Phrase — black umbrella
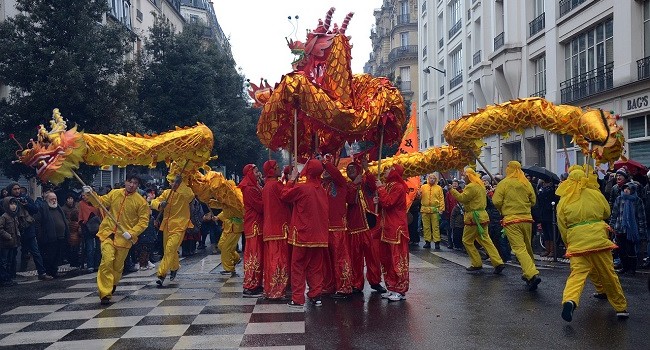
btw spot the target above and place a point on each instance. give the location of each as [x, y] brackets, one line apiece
[540, 173]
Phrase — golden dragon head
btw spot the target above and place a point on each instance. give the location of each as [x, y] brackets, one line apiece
[55, 153]
[599, 130]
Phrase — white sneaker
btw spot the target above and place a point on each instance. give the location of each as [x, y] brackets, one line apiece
[396, 297]
[386, 295]
[137, 266]
[150, 265]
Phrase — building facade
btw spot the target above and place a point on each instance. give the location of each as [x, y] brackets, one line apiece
[587, 53]
[395, 46]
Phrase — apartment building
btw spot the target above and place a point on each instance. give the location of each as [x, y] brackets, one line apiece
[587, 53]
[395, 46]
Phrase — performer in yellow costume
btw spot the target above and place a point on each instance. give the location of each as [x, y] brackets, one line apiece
[132, 213]
[433, 204]
[580, 217]
[175, 204]
[476, 219]
[514, 197]
[233, 227]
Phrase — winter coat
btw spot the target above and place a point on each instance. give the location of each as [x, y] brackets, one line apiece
[616, 219]
[543, 209]
[45, 229]
[457, 217]
[9, 227]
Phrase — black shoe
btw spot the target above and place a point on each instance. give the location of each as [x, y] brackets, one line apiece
[357, 291]
[474, 268]
[316, 302]
[533, 282]
[378, 288]
[427, 245]
[172, 275]
[294, 304]
[113, 291]
[601, 296]
[567, 310]
[437, 246]
[622, 315]
[252, 293]
[160, 281]
[339, 295]
[105, 301]
[499, 268]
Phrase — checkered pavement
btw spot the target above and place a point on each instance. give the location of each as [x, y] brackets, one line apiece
[199, 310]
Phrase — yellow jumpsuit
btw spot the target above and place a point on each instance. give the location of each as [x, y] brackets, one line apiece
[176, 219]
[433, 203]
[233, 227]
[474, 199]
[514, 199]
[581, 223]
[132, 213]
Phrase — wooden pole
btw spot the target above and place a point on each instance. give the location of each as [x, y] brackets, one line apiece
[295, 138]
[381, 146]
[483, 165]
[92, 193]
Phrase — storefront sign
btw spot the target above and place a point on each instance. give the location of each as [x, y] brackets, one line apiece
[636, 103]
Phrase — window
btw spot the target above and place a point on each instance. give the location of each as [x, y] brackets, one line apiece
[639, 139]
[646, 28]
[538, 7]
[404, 7]
[456, 60]
[590, 50]
[194, 19]
[456, 109]
[404, 38]
[455, 17]
[540, 76]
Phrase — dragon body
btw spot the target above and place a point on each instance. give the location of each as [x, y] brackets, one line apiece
[56, 153]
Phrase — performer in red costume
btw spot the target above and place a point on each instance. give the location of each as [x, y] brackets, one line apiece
[277, 214]
[307, 233]
[394, 250]
[339, 241]
[361, 192]
[253, 222]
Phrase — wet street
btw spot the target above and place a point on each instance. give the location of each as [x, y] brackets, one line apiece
[446, 308]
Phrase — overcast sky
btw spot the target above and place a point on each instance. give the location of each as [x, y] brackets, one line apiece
[257, 31]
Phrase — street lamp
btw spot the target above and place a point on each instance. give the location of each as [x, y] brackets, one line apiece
[427, 70]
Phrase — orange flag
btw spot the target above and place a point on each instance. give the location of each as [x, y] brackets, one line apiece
[410, 144]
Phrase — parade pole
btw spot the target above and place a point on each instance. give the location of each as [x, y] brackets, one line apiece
[381, 146]
[295, 138]
[482, 165]
[101, 205]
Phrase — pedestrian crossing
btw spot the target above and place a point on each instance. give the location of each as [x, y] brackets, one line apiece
[199, 310]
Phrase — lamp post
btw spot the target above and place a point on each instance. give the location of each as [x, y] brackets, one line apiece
[428, 70]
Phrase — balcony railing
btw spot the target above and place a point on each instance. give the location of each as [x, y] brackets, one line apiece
[424, 51]
[540, 93]
[477, 58]
[403, 19]
[499, 41]
[644, 68]
[424, 7]
[405, 86]
[588, 83]
[138, 15]
[403, 51]
[441, 43]
[469, 14]
[567, 5]
[455, 28]
[455, 81]
[442, 90]
[425, 96]
[538, 24]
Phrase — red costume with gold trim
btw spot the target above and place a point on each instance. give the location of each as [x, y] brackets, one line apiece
[276, 228]
[338, 275]
[253, 221]
[307, 234]
[394, 233]
[362, 243]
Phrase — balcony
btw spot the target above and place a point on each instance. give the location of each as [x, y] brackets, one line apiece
[540, 93]
[537, 24]
[408, 51]
[499, 41]
[455, 81]
[477, 58]
[403, 19]
[644, 68]
[425, 96]
[424, 51]
[424, 7]
[405, 86]
[138, 15]
[588, 83]
[441, 43]
[567, 5]
[442, 90]
[455, 29]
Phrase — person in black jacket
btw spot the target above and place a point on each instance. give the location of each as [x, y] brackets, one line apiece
[52, 232]
[543, 214]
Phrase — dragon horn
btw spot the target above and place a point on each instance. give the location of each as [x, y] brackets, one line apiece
[346, 21]
[328, 18]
